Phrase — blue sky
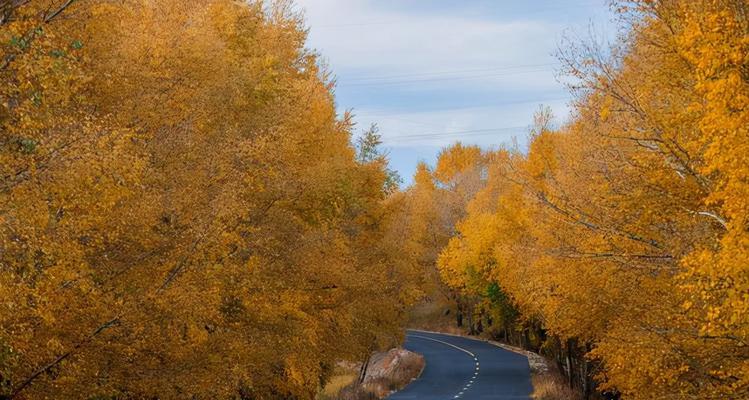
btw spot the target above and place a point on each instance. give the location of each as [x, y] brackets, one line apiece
[430, 73]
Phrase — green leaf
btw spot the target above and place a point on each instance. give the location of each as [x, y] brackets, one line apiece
[28, 145]
[36, 98]
[19, 42]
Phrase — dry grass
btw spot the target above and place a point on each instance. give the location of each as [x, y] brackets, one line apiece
[344, 375]
[356, 392]
[552, 386]
[436, 315]
[408, 369]
[336, 384]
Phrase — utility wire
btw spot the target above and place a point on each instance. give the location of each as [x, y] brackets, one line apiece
[458, 78]
[404, 21]
[444, 135]
[445, 110]
[426, 74]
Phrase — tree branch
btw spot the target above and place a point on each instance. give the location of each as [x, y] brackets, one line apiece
[715, 217]
[63, 356]
[54, 14]
[32, 34]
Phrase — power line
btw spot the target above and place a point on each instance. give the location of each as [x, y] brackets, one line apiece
[469, 15]
[458, 78]
[422, 74]
[444, 135]
[328, 26]
[422, 111]
[433, 126]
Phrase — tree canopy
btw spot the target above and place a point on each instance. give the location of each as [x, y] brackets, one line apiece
[183, 212]
[623, 233]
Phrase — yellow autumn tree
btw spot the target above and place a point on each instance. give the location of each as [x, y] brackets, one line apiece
[183, 212]
[625, 230]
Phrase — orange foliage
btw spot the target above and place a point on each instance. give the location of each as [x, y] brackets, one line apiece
[183, 214]
[627, 228]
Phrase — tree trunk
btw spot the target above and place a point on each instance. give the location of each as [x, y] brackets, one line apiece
[363, 370]
[471, 325]
[587, 382]
[570, 379]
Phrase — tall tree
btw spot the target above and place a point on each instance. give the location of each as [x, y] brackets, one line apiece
[183, 213]
[625, 230]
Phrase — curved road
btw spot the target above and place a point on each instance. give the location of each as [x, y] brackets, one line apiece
[462, 368]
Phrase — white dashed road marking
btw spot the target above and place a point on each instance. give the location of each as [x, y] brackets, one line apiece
[475, 374]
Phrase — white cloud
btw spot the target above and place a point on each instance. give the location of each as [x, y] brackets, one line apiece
[460, 58]
[357, 36]
[486, 126]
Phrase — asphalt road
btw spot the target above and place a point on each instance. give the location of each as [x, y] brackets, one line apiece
[461, 368]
